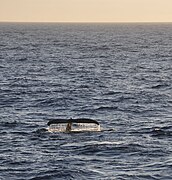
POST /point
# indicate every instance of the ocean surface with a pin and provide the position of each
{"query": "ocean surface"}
(117, 74)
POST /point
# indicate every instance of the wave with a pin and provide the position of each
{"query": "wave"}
(158, 86)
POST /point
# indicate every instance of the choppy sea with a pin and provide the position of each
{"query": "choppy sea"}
(117, 74)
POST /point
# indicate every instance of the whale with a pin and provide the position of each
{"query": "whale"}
(73, 125)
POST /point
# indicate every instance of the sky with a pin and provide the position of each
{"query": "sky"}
(86, 10)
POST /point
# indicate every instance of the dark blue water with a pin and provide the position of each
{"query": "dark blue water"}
(117, 74)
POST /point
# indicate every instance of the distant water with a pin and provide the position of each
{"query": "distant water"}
(118, 74)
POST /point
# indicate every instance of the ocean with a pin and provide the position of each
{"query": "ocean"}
(117, 74)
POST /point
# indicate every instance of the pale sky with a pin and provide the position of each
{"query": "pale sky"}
(86, 10)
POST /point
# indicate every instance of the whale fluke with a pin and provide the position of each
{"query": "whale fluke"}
(79, 120)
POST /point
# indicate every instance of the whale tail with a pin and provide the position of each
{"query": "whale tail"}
(73, 125)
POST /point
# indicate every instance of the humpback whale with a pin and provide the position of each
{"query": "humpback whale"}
(73, 125)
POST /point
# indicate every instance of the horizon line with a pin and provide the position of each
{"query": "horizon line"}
(87, 22)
